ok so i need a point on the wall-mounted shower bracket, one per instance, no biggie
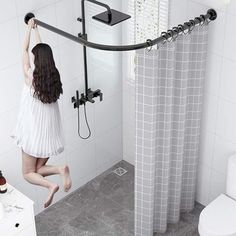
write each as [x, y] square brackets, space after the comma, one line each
[83, 36]
[77, 101]
[94, 94]
[79, 19]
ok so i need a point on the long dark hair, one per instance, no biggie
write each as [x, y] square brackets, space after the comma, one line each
[47, 83]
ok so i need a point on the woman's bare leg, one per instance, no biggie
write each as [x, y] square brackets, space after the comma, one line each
[46, 170]
[29, 173]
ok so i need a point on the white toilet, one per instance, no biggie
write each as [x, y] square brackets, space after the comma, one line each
[219, 217]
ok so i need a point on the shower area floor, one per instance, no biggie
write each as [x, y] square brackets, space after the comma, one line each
[104, 207]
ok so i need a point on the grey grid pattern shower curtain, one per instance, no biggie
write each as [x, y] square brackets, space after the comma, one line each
[169, 91]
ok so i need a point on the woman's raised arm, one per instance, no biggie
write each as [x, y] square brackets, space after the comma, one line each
[26, 59]
[37, 35]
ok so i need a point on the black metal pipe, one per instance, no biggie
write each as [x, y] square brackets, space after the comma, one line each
[84, 48]
[84, 36]
[103, 5]
[83, 16]
[211, 15]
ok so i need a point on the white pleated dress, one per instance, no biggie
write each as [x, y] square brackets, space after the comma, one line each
[38, 131]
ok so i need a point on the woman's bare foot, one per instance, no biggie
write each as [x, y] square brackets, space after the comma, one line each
[65, 173]
[52, 190]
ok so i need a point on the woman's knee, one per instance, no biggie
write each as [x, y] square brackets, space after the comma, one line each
[26, 175]
[28, 164]
[27, 171]
[40, 163]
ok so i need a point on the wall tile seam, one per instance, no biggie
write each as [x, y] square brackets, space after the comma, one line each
[8, 19]
[225, 58]
[34, 9]
[77, 77]
[94, 140]
[9, 109]
[215, 133]
[10, 65]
[111, 129]
[209, 184]
[204, 5]
[7, 152]
[75, 115]
[227, 100]
[229, 12]
[228, 140]
[117, 94]
[207, 90]
[78, 148]
[212, 169]
[217, 105]
[107, 131]
[57, 44]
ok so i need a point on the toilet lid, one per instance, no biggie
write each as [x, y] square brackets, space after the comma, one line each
[219, 218]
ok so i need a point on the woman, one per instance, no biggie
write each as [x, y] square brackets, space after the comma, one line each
[39, 131]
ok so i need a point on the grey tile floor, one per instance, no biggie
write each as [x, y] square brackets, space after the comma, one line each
[104, 207]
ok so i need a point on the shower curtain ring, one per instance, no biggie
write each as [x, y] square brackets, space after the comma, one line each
[181, 28]
[187, 23]
[170, 39]
[192, 23]
[189, 27]
[149, 43]
[175, 29]
[203, 20]
[199, 19]
[164, 35]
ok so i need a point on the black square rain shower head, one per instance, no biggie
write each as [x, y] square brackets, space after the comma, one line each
[113, 19]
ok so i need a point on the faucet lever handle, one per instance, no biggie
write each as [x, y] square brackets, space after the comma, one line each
[73, 99]
[101, 96]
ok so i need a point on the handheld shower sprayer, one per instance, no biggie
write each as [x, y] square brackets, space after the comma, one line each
[77, 103]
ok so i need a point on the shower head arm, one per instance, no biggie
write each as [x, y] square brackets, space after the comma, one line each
[102, 5]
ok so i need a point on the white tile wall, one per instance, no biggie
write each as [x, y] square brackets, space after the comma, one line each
[86, 158]
[128, 105]
[8, 11]
[218, 139]
[213, 73]
[209, 117]
[9, 47]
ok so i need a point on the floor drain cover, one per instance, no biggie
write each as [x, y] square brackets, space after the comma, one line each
[120, 171]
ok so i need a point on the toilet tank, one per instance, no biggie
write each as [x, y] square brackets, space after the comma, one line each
[231, 177]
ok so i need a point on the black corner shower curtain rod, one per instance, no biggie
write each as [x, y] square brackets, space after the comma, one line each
[209, 16]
